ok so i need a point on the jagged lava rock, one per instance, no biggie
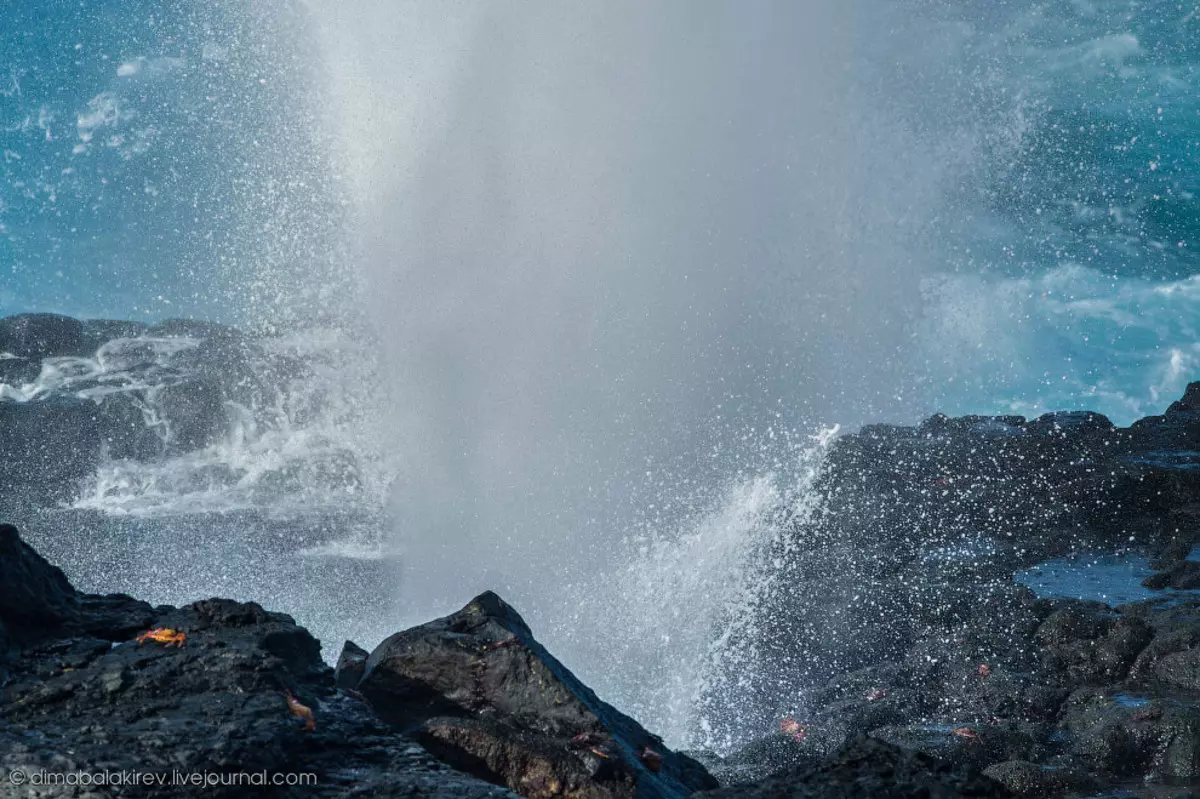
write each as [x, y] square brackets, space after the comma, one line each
[477, 689]
[350, 665]
[866, 767]
[79, 693]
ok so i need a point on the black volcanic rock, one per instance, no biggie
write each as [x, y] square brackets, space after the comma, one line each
[193, 328]
[897, 580]
[99, 331]
[135, 397]
[35, 594]
[19, 371]
[866, 767]
[42, 335]
[350, 665]
[47, 448]
[193, 412]
[228, 688]
[80, 693]
[478, 690]
[1033, 779]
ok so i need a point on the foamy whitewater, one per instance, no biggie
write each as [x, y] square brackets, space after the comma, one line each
[576, 292]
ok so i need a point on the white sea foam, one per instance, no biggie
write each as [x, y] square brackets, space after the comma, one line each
[1068, 338]
[301, 449]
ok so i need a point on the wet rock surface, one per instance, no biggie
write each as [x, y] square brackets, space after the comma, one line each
[870, 768]
[41, 335]
[936, 648]
[479, 690]
[470, 705]
[80, 693]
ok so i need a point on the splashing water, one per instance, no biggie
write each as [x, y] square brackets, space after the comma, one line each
[599, 243]
[301, 447]
[667, 635]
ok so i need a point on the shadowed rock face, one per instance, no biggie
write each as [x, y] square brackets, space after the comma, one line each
[479, 690]
[870, 768]
[40, 335]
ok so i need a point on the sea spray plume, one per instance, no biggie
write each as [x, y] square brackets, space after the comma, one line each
[674, 630]
[600, 238]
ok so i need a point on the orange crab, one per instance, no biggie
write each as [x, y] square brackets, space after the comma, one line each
[163, 635]
[789, 726]
[301, 711]
[984, 670]
[966, 733]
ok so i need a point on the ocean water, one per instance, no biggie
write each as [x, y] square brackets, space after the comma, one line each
[159, 160]
[1074, 284]
[626, 266]
[163, 160]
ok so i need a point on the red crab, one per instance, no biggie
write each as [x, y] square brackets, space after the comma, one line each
[966, 733]
[651, 759]
[789, 726]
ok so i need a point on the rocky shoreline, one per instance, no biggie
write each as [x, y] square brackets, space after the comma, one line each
[936, 626]
[466, 706]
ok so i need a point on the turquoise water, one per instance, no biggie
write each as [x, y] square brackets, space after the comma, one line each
[1078, 278]
[157, 159]
[163, 159]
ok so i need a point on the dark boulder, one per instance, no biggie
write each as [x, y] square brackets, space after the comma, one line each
[479, 691]
[193, 328]
[770, 754]
[1180, 669]
[1024, 778]
[1064, 423]
[350, 665]
[131, 426]
[1086, 642]
[193, 413]
[1135, 735]
[19, 371]
[867, 767]
[960, 742]
[1176, 430]
[1183, 575]
[34, 595]
[47, 449]
[42, 335]
[1187, 405]
[100, 331]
